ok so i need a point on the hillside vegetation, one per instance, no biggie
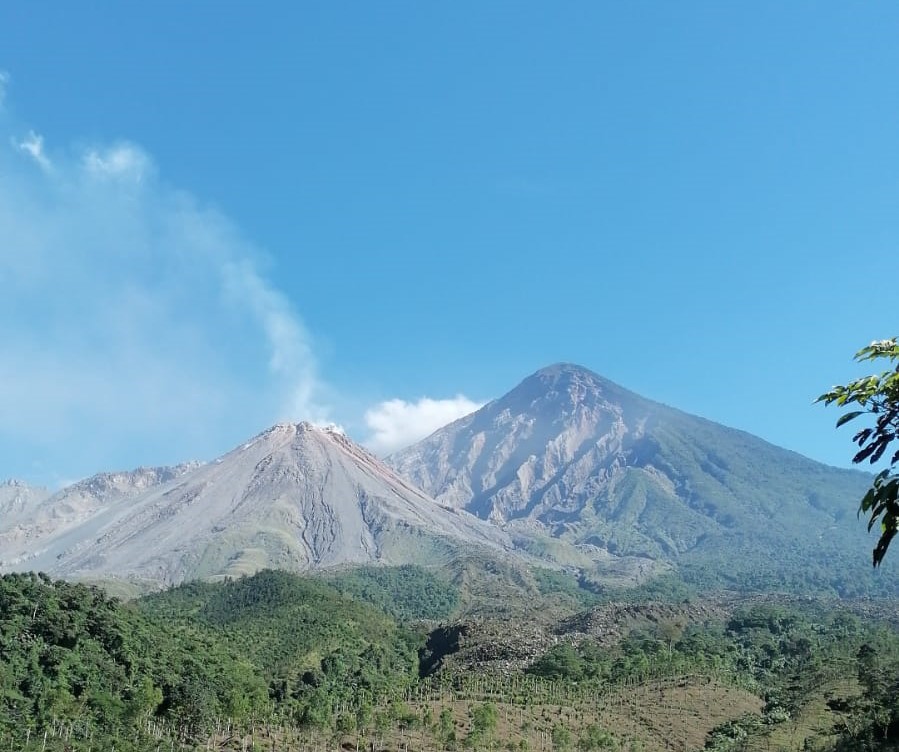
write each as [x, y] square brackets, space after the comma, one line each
[278, 661]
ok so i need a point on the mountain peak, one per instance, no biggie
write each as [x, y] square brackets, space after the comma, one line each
[559, 374]
[287, 432]
[568, 384]
[287, 428]
[563, 369]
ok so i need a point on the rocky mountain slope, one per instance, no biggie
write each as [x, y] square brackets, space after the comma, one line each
[295, 497]
[18, 499]
[568, 469]
[35, 514]
[582, 468]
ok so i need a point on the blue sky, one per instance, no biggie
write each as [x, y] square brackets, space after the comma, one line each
[380, 214]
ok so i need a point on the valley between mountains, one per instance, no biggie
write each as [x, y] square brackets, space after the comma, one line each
[573, 566]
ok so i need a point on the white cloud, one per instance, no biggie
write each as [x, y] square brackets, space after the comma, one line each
[33, 146]
[4, 85]
[134, 321]
[397, 423]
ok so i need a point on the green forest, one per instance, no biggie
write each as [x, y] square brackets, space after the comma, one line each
[370, 659]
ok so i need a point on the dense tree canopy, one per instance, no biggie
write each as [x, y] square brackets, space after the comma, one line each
[284, 662]
[876, 395]
[69, 653]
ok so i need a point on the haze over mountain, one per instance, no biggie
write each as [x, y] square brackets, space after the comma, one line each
[295, 497]
[592, 466]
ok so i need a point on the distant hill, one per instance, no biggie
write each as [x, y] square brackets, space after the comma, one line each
[582, 470]
[29, 515]
[288, 626]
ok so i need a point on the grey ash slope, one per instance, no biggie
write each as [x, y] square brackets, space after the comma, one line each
[18, 500]
[599, 470]
[295, 497]
[34, 514]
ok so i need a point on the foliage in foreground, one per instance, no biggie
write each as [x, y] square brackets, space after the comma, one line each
[67, 652]
[877, 395]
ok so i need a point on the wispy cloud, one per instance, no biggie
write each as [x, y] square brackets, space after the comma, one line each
[291, 359]
[137, 325]
[33, 146]
[121, 161]
[397, 423]
[132, 314]
[4, 85]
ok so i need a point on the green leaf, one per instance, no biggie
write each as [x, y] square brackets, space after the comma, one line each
[849, 416]
[867, 501]
[877, 395]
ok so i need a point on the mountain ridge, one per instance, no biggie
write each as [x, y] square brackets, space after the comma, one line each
[594, 467]
[568, 470]
[294, 496]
